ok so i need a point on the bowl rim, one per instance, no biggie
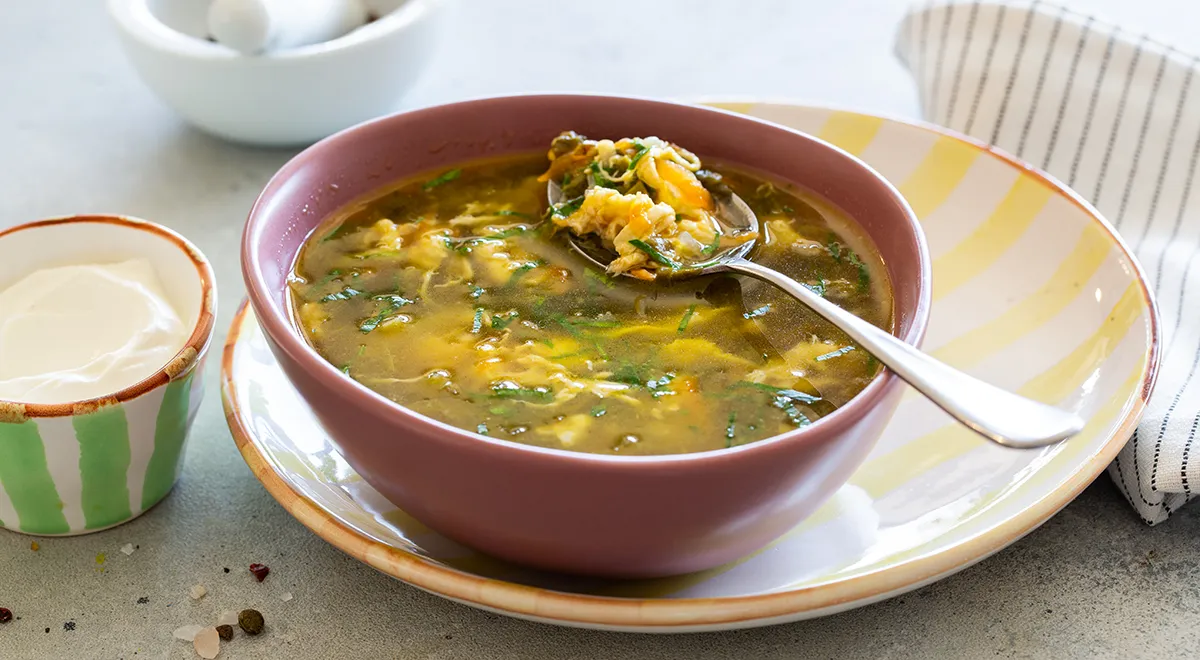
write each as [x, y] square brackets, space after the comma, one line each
[135, 19]
[179, 365]
[286, 337]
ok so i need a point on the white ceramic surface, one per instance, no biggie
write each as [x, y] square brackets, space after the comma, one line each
[290, 97]
[1032, 291]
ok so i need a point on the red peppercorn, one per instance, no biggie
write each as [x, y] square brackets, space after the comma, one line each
[260, 571]
[5, 615]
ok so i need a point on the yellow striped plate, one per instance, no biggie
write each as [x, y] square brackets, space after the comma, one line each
[1033, 291]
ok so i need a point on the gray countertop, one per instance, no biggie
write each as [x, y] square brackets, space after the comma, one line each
[79, 133]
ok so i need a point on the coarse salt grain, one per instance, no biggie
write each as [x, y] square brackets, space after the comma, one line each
[286, 597]
[127, 549]
[207, 643]
[187, 633]
[197, 592]
[227, 618]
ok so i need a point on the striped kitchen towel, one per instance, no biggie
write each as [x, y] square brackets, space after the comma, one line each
[1116, 116]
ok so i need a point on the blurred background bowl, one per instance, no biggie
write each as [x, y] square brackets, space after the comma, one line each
[290, 97]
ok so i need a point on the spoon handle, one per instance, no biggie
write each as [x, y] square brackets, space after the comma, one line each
[999, 415]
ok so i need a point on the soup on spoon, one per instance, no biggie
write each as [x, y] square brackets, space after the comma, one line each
[451, 295]
[640, 233]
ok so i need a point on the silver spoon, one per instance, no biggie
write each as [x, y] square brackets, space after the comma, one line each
[998, 415]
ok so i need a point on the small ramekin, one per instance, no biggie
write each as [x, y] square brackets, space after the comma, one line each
[80, 467]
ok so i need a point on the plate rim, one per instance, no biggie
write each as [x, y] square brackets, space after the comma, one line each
[710, 613]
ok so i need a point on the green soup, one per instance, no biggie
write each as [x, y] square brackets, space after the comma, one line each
[451, 296]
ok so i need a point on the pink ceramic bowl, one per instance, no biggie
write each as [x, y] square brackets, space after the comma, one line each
[581, 513]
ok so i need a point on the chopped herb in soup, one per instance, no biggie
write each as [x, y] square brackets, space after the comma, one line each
[452, 295]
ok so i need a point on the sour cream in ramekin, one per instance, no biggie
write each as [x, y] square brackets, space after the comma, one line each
[75, 332]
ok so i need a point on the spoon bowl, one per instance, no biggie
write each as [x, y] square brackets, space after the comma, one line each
[732, 212]
[996, 414]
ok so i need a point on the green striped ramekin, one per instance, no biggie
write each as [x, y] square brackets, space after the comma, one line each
[84, 466]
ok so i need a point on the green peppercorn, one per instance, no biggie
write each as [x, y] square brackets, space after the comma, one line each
[225, 631]
[250, 621]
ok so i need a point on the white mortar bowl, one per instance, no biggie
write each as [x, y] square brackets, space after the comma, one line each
[288, 98]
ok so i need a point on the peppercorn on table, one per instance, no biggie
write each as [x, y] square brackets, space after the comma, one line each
[81, 134]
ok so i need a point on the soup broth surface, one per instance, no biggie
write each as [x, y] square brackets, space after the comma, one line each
[450, 295]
